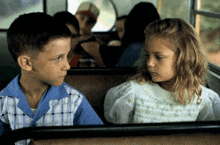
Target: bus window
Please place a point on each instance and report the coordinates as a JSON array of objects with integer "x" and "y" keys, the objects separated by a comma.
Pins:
[
  {"x": 208, "y": 26},
  {"x": 173, "y": 9},
  {"x": 11, "y": 9},
  {"x": 210, "y": 5}
]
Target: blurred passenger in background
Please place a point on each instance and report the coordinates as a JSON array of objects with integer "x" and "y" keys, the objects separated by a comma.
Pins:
[
  {"x": 120, "y": 29},
  {"x": 71, "y": 22},
  {"x": 87, "y": 14},
  {"x": 140, "y": 16}
]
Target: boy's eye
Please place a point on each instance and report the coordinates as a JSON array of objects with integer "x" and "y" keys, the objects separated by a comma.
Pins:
[{"x": 58, "y": 58}]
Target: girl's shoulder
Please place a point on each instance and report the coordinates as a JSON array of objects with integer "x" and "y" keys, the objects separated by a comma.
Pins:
[
  {"x": 208, "y": 94},
  {"x": 126, "y": 86}
]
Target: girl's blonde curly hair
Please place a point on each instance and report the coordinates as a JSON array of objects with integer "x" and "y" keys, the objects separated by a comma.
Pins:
[{"x": 191, "y": 64}]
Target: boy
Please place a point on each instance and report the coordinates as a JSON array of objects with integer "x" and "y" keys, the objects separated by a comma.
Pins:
[
  {"x": 87, "y": 14},
  {"x": 38, "y": 96}
]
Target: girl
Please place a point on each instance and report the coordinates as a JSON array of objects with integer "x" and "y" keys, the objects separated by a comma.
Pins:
[{"x": 169, "y": 84}]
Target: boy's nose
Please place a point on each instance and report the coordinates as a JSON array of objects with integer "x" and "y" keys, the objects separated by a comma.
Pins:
[{"x": 66, "y": 65}]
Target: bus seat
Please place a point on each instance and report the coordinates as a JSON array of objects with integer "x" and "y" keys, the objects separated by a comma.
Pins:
[{"x": 95, "y": 84}]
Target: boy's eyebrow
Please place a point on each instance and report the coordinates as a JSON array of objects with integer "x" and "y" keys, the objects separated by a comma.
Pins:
[{"x": 57, "y": 55}]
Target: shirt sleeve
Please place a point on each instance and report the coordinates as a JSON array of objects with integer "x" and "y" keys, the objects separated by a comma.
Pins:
[
  {"x": 1, "y": 116},
  {"x": 1, "y": 127},
  {"x": 85, "y": 115},
  {"x": 119, "y": 104},
  {"x": 211, "y": 109}
]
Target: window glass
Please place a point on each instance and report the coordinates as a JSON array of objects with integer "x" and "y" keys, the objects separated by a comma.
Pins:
[
  {"x": 209, "y": 30},
  {"x": 107, "y": 13},
  {"x": 210, "y": 5},
  {"x": 173, "y": 9},
  {"x": 11, "y": 9}
]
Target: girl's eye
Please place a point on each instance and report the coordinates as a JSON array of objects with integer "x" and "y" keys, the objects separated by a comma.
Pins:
[
  {"x": 147, "y": 55},
  {"x": 159, "y": 57}
]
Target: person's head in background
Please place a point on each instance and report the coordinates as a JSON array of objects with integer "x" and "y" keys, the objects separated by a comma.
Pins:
[
  {"x": 69, "y": 20},
  {"x": 72, "y": 23},
  {"x": 120, "y": 22},
  {"x": 86, "y": 15},
  {"x": 139, "y": 17},
  {"x": 120, "y": 29}
]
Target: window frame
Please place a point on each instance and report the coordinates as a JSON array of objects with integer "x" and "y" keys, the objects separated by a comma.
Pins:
[{"x": 195, "y": 21}]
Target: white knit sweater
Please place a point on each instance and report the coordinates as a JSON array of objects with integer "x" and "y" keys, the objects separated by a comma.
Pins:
[{"x": 132, "y": 102}]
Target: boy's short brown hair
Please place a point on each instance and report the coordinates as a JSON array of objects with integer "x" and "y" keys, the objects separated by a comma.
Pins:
[{"x": 30, "y": 32}]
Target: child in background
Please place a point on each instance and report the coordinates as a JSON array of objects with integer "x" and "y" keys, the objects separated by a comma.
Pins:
[
  {"x": 87, "y": 14},
  {"x": 139, "y": 17},
  {"x": 72, "y": 23},
  {"x": 169, "y": 84},
  {"x": 120, "y": 28},
  {"x": 38, "y": 96}
]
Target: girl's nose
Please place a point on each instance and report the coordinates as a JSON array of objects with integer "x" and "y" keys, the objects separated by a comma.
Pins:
[{"x": 150, "y": 62}]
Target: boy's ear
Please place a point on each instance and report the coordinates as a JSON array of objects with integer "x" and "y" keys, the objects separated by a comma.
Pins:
[{"x": 24, "y": 62}]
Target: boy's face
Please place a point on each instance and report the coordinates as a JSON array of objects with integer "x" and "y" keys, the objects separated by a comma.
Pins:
[
  {"x": 120, "y": 27},
  {"x": 160, "y": 57},
  {"x": 86, "y": 23},
  {"x": 51, "y": 64}
]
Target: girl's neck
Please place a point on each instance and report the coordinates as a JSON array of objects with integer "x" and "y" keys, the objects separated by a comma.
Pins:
[{"x": 168, "y": 86}]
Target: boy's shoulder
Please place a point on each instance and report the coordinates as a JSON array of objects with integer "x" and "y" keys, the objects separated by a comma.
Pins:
[
  {"x": 72, "y": 91},
  {"x": 12, "y": 88}
]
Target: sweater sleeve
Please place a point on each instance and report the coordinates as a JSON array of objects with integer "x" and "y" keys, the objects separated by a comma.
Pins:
[
  {"x": 211, "y": 109},
  {"x": 119, "y": 104}
]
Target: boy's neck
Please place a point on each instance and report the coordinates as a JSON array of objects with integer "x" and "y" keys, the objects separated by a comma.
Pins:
[{"x": 32, "y": 90}]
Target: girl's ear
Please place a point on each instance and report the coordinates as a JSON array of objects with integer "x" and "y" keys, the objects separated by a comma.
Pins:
[{"x": 24, "y": 62}]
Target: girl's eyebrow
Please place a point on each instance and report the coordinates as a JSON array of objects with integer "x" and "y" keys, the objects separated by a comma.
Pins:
[
  {"x": 154, "y": 52},
  {"x": 158, "y": 52}
]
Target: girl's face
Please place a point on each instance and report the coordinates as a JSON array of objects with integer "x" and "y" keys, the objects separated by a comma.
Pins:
[{"x": 160, "y": 59}]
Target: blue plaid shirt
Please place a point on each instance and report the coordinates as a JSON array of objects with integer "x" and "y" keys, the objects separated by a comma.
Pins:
[{"x": 59, "y": 106}]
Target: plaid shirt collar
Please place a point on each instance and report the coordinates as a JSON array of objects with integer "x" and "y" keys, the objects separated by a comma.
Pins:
[{"x": 13, "y": 90}]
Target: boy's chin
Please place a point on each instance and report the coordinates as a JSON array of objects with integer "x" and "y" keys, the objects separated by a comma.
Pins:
[{"x": 56, "y": 84}]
